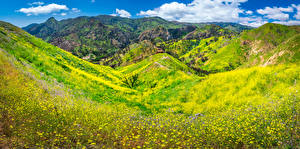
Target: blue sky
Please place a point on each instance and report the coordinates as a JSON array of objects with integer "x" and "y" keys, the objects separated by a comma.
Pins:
[{"x": 247, "y": 12}]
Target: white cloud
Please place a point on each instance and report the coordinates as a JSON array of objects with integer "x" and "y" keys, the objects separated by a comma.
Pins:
[
  {"x": 122, "y": 13},
  {"x": 252, "y": 21},
  {"x": 46, "y": 9},
  {"x": 288, "y": 9},
  {"x": 249, "y": 12},
  {"x": 255, "y": 24},
  {"x": 290, "y": 22},
  {"x": 37, "y": 3},
  {"x": 63, "y": 14},
  {"x": 198, "y": 11},
  {"x": 297, "y": 15},
  {"x": 76, "y": 10},
  {"x": 276, "y": 13}
]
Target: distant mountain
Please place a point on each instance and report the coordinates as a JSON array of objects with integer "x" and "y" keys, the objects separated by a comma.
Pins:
[{"x": 95, "y": 38}]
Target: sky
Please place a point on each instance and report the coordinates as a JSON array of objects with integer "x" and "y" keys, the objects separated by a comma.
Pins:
[{"x": 247, "y": 12}]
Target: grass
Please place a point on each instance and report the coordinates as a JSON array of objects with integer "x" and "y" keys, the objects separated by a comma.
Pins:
[
  {"x": 31, "y": 117},
  {"x": 49, "y": 98}
]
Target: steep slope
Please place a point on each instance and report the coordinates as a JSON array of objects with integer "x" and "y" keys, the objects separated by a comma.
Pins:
[
  {"x": 85, "y": 37},
  {"x": 47, "y": 62},
  {"x": 157, "y": 32},
  {"x": 268, "y": 44},
  {"x": 177, "y": 42},
  {"x": 95, "y": 38},
  {"x": 271, "y": 44},
  {"x": 209, "y": 31},
  {"x": 133, "y": 53},
  {"x": 96, "y": 82}
]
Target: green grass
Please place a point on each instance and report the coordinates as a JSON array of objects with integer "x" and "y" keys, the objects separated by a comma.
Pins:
[
  {"x": 31, "y": 117},
  {"x": 49, "y": 98}
]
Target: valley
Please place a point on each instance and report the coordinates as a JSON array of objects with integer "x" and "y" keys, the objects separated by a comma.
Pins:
[{"x": 113, "y": 82}]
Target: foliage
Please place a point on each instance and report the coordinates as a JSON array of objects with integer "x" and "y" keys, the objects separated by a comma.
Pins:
[
  {"x": 50, "y": 98},
  {"x": 100, "y": 37},
  {"x": 131, "y": 81}
]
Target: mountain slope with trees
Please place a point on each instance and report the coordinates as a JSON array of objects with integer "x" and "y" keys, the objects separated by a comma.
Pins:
[{"x": 95, "y": 38}]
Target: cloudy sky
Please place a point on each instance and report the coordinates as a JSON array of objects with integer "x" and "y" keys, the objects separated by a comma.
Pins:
[{"x": 248, "y": 12}]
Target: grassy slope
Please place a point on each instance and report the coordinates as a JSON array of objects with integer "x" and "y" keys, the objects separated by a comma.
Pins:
[
  {"x": 161, "y": 76},
  {"x": 31, "y": 117},
  {"x": 268, "y": 44},
  {"x": 93, "y": 81},
  {"x": 229, "y": 103}
]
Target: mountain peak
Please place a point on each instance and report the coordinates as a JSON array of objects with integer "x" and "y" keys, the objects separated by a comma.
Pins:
[{"x": 51, "y": 19}]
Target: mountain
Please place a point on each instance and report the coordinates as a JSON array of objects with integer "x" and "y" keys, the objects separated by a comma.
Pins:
[
  {"x": 223, "y": 50},
  {"x": 176, "y": 42},
  {"x": 95, "y": 38},
  {"x": 50, "y": 98}
]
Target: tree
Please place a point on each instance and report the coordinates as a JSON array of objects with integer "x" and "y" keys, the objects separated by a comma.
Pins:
[{"x": 131, "y": 81}]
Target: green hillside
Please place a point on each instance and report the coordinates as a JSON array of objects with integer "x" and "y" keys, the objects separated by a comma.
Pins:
[
  {"x": 266, "y": 45},
  {"x": 100, "y": 37},
  {"x": 54, "y": 64},
  {"x": 50, "y": 98}
]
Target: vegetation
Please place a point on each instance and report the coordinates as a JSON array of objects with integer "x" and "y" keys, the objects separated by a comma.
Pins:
[
  {"x": 50, "y": 98},
  {"x": 100, "y": 37},
  {"x": 131, "y": 81}
]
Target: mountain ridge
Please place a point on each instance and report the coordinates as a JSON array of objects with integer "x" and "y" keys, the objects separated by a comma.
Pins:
[{"x": 106, "y": 35}]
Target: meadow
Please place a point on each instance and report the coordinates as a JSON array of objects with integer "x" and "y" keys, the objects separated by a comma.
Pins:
[{"x": 50, "y": 98}]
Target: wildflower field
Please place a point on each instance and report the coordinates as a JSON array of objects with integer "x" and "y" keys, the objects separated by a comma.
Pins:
[{"x": 50, "y": 98}]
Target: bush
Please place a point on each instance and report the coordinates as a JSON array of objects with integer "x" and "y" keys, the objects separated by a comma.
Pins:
[{"x": 131, "y": 81}]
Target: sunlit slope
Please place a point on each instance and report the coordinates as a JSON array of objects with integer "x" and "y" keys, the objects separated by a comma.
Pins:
[
  {"x": 162, "y": 88},
  {"x": 163, "y": 60},
  {"x": 94, "y": 81},
  {"x": 269, "y": 44},
  {"x": 163, "y": 81},
  {"x": 33, "y": 118},
  {"x": 161, "y": 77},
  {"x": 250, "y": 86}
]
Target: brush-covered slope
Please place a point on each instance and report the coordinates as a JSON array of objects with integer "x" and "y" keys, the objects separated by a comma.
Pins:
[
  {"x": 51, "y": 63},
  {"x": 85, "y": 37},
  {"x": 268, "y": 44},
  {"x": 100, "y": 83},
  {"x": 217, "y": 50},
  {"x": 95, "y": 38},
  {"x": 272, "y": 44},
  {"x": 209, "y": 31},
  {"x": 45, "y": 101},
  {"x": 179, "y": 43},
  {"x": 133, "y": 53}
]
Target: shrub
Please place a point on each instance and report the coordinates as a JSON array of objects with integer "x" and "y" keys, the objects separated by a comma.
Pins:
[{"x": 131, "y": 81}]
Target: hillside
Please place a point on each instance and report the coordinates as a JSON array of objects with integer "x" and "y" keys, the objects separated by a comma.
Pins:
[
  {"x": 51, "y": 98},
  {"x": 60, "y": 66},
  {"x": 213, "y": 49},
  {"x": 267, "y": 45},
  {"x": 95, "y": 38},
  {"x": 161, "y": 40}
]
